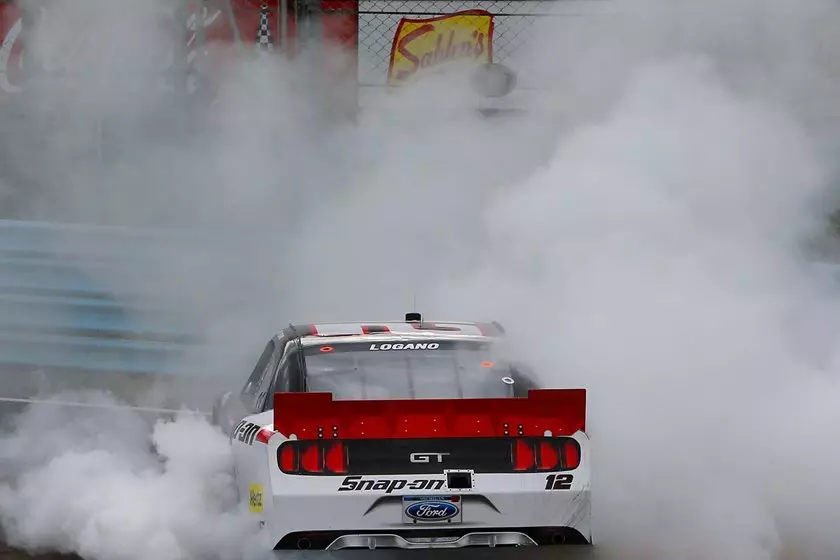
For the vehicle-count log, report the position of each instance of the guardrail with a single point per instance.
(65, 300)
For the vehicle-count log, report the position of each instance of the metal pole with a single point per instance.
(234, 27)
(283, 28)
(100, 156)
(180, 63)
(179, 60)
(200, 37)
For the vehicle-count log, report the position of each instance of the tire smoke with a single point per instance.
(648, 236)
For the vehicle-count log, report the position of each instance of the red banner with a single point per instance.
(255, 23)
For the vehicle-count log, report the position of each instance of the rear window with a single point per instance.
(407, 370)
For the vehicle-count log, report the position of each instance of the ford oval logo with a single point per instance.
(432, 511)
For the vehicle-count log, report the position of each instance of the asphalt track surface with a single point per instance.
(548, 553)
(7, 553)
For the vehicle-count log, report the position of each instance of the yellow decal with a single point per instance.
(421, 44)
(255, 497)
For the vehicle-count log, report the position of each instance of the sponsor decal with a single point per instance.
(432, 510)
(245, 432)
(559, 481)
(426, 44)
(255, 498)
(405, 346)
(360, 484)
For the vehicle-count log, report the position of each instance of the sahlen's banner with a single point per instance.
(421, 45)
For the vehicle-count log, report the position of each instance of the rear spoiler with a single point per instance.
(310, 416)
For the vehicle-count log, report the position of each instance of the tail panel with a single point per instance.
(428, 456)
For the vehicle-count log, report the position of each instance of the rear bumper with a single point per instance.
(335, 513)
(432, 538)
(511, 514)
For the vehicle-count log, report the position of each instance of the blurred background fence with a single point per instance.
(77, 302)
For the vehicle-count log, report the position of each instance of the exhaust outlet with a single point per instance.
(304, 544)
(558, 538)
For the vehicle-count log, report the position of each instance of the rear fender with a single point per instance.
(252, 453)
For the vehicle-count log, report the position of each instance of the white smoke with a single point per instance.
(646, 241)
(660, 257)
(98, 482)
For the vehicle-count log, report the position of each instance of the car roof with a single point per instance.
(321, 333)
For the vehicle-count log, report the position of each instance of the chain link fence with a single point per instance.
(393, 37)
(513, 28)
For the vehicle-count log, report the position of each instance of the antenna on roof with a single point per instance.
(414, 317)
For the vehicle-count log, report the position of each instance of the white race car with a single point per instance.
(406, 435)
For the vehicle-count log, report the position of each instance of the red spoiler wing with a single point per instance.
(317, 415)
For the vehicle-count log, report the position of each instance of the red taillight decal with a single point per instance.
(375, 329)
(288, 458)
(549, 455)
(331, 456)
(317, 457)
(336, 458)
(571, 452)
(545, 454)
(523, 455)
(310, 458)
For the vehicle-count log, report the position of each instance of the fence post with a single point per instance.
(339, 40)
(180, 65)
(227, 8)
(283, 29)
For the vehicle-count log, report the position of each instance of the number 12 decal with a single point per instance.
(558, 482)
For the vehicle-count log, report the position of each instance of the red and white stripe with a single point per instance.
(349, 329)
